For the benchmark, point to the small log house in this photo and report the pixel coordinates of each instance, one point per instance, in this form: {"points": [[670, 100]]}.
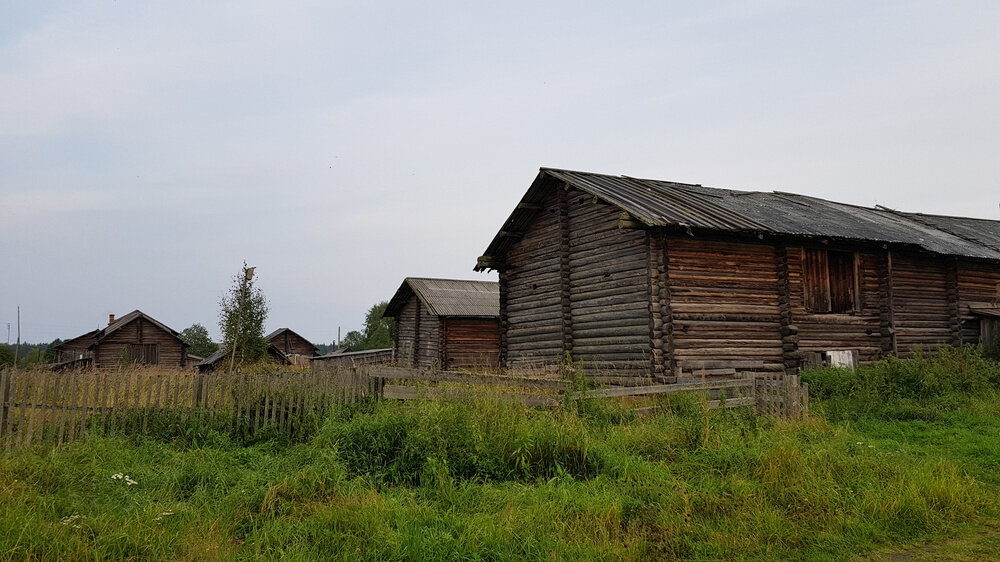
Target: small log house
{"points": [[135, 338], [446, 323], [662, 280], [291, 343]]}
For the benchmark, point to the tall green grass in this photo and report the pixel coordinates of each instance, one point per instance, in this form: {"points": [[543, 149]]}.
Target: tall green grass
{"points": [[483, 480]]}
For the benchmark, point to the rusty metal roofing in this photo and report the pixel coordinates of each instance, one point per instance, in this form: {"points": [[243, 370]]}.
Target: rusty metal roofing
{"points": [[693, 207], [449, 297]]}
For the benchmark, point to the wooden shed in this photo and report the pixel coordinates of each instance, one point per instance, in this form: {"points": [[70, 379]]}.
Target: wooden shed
{"points": [[135, 338], [656, 279], [446, 323], [291, 343]]}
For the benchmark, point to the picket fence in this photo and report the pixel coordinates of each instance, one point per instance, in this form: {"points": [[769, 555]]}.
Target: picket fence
{"points": [[57, 407]]}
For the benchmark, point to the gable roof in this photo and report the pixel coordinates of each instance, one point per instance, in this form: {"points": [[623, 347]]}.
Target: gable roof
{"points": [[120, 323], [270, 337], [448, 297], [97, 335], [690, 208]]}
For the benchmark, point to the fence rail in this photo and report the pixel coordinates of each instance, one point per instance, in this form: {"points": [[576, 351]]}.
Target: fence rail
{"points": [[56, 407]]}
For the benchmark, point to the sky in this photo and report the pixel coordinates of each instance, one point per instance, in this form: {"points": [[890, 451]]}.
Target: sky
{"points": [[148, 149]]}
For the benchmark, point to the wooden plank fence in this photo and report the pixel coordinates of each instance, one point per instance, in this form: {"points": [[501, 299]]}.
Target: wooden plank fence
{"points": [[57, 407], [769, 394]]}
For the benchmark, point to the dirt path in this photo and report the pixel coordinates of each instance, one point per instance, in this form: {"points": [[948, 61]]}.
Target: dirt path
{"points": [[985, 546]]}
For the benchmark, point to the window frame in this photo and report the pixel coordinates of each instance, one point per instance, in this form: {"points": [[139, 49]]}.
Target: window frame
{"points": [[830, 281]]}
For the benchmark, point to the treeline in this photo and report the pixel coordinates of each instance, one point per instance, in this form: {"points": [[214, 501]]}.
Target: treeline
{"points": [[28, 354]]}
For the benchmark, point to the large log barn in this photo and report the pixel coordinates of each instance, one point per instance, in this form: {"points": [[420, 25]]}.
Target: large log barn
{"points": [[656, 279], [446, 323]]}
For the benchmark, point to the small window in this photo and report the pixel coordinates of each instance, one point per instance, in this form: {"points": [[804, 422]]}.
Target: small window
{"points": [[829, 281], [142, 353]]}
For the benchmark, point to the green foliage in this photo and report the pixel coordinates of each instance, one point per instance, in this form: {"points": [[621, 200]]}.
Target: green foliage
{"points": [[378, 332], [475, 441], [6, 355], [917, 388], [201, 344], [243, 312], [485, 480]]}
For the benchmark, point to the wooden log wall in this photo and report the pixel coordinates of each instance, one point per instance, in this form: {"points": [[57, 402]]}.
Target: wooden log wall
{"points": [[112, 349], [293, 344], [725, 307], [921, 308], [978, 286], [406, 330], [607, 278], [860, 329], [533, 303], [428, 338], [471, 343]]}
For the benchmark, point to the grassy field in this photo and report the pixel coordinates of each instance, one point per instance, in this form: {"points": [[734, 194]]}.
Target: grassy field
{"points": [[897, 454]]}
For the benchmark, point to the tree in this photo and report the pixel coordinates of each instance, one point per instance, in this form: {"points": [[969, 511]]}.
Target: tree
{"points": [[241, 318], [199, 341], [377, 333], [6, 355], [354, 340]]}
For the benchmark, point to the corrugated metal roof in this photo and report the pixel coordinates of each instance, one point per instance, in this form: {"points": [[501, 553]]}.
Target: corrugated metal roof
{"points": [[449, 297], [694, 207]]}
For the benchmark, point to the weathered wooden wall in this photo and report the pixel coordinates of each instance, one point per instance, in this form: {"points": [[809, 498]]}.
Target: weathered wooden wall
{"points": [[725, 306], [922, 307], [608, 289], [470, 343], [978, 286], [293, 344], [533, 303], [111, 350], [645, 302], [406, 331], [860, 330], [75, 349]]}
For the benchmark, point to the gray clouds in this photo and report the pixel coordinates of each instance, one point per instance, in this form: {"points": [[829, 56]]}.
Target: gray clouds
{"points": [[146, 150]]}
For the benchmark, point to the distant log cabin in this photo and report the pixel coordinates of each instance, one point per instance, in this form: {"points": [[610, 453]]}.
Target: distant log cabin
{"points": [[446, 323], [291, 343], [663, 280], [135, 338]]}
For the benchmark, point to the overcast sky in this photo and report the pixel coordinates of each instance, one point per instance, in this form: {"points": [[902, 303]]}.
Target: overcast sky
{"points": [[148, 148]]}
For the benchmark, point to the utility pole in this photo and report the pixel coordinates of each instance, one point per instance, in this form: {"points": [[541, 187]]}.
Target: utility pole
{"points": [[17, 350]]}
